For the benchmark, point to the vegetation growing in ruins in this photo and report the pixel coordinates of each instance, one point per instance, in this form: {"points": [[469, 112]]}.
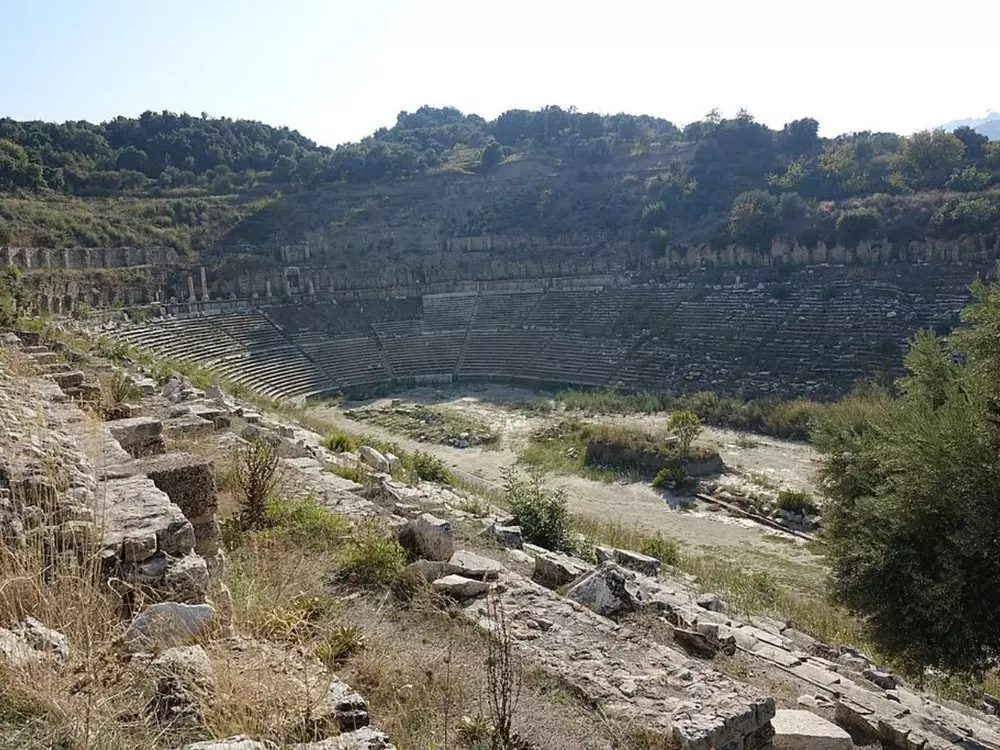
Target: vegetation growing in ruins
{"points": [[776, 417], [542, 512], [255, 476], [428, 424], [912, 517]]}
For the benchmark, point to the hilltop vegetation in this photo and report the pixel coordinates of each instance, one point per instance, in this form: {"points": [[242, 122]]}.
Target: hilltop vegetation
{"points": [[717, 181]]}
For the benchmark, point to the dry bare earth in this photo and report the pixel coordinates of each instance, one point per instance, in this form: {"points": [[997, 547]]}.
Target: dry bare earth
{"points": [[632, 504]]}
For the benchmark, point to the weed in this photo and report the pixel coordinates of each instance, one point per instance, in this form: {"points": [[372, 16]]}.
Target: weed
{"points": [[796, 501], [663, 549], [542, 513], [340, 442], [255, 475], [372, 556], [430, 468]]}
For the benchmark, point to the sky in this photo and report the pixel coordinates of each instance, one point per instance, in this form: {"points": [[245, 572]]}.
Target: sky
{"points": [[336, 70]]}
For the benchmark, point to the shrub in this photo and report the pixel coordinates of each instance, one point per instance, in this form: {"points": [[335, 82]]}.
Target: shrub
{"points": [[372, 556], [430, 468], [339, 644], [857, 224], [796, 501], [340, 442], [352, 473], [663, 549], [307, 523], [255, 475], [542, 513], [686, 426], [669, 476]]}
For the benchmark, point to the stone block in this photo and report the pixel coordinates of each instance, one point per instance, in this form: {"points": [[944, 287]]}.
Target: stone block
{"points": [[188, 425], [139, 436], [460, 587], [169, 624], [608, 590], [69, 379], [509, 536], [189, 482], [471, 565], [803, 730], [553, 570], [644, 564], [374, 459], [133, 508], [428, 537]]}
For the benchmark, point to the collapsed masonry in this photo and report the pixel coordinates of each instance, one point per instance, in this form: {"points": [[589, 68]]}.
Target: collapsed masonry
{"points": [[82, 489], [670, 690]]}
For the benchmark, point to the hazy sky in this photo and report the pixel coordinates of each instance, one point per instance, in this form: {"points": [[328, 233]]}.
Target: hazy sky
{"points": [[336, 70]]}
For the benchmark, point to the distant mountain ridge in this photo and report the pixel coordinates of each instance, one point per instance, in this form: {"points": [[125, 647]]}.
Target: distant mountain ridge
{"points": [[988, 125]]}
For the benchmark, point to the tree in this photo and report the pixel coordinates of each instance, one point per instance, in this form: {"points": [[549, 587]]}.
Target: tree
{"points": [[284, 168], [974, 142], [752, 219], [913, 510], [856, 225], [492, 155], [687, 427], [933, 156]]}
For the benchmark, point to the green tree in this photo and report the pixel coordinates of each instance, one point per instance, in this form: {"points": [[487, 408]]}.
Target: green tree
{"points": [[913, 510], [857, 224], [492, 155], [933, 155], [687, 427], [969, 179], [752, 221]]}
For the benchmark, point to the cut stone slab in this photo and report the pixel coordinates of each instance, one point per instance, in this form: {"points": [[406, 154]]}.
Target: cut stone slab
{"points": [[553, 570], [428, 537], [239, 742], [644, 564], [139, 436], [471, 565], [608, 590], [169, 624], [374, 459], [711, 602], [460, 587], [133, 508], [70, 379], [509, 536], [803, 730], [189, 482], [189, 425]]}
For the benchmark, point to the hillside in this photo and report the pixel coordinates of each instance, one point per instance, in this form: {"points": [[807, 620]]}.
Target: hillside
{"points": [[203, 185]]}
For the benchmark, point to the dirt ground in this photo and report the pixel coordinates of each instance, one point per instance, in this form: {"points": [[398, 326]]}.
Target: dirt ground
{"points": [[765, 460]]}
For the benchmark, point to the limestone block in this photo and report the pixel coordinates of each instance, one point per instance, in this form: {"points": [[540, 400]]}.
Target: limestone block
{"points": [[608, 590], [460, 587], [189, 482], [428, 537], [32, 643], [186, 579], [374, 459], [169, 624], [553, 570], [133, 508], [139, 436], [802, 730], [188, 425], [471, 565], [644, 564], [711, 602], [509, 536], [146, 386], [70, 379]]}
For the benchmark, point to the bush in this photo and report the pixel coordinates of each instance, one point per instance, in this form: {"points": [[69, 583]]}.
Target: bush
{"points": [[669, 476], [663, 549], [542, 514], [686, 426], [796, 501], [372, 556], [307, 523], [340, 442], [856, 225], [430, 468], [255, 476]]}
